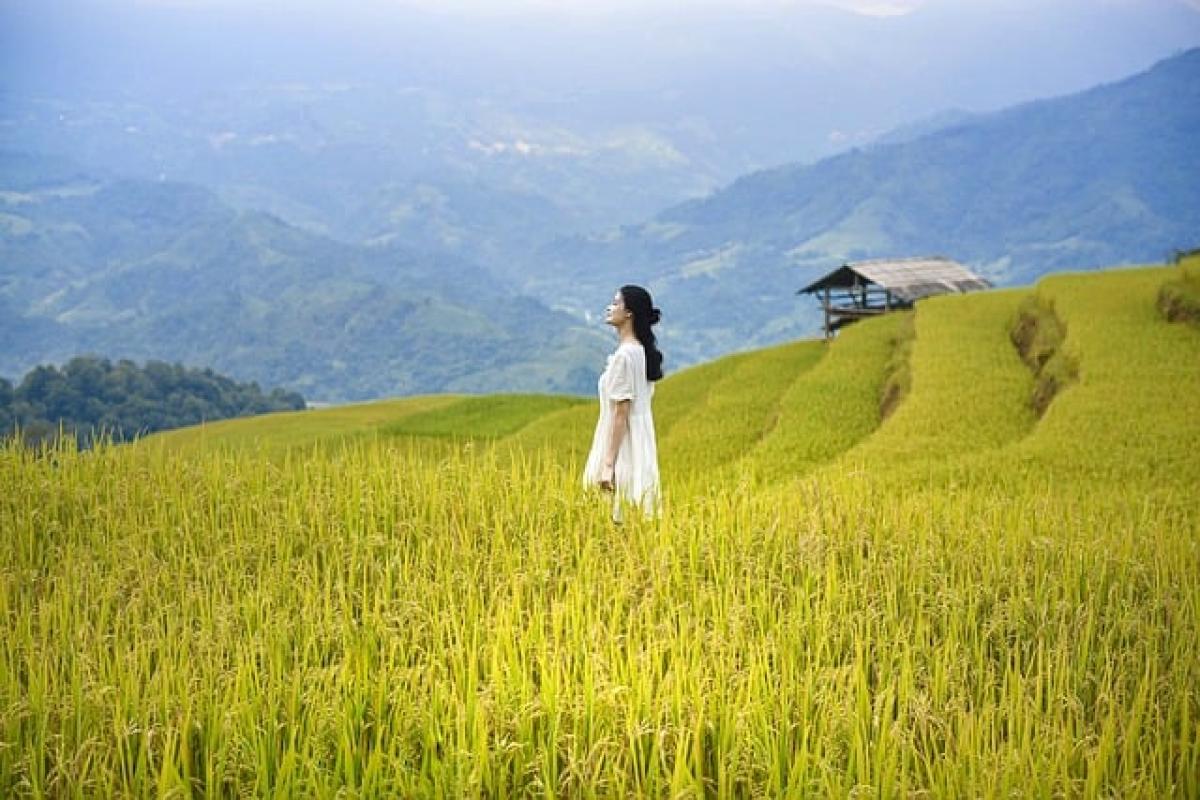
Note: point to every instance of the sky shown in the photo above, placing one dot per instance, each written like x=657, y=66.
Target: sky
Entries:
x=984, y=53
x=869, y=7
x=865, y=7
x=501, y=8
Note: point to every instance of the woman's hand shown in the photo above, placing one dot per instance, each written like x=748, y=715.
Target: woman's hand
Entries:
x=606, y=478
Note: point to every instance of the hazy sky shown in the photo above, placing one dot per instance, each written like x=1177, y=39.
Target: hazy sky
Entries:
x=874, y=7
x=883, y=7
x=869, y=7
x=491, y=8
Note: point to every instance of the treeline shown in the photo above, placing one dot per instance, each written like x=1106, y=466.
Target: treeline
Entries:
x=92, y=396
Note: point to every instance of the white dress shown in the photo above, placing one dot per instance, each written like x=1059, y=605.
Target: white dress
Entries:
x=636, y=468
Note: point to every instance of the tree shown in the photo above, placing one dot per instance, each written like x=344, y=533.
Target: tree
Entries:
x=92, y=396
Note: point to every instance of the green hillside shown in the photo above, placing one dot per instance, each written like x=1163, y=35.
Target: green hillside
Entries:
x=971, y=595
x=160, y=270
x=776, y=413
x=1104, y=176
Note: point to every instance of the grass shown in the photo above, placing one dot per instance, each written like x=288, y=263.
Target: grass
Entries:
x=1131, y=418
x=833, y=406
x=480, y=418
x=1179, y=299
x=740, y=410
x=968, y=387
x=299, y=429
x=962, y=600
x=897, y=374
x=1038, y=335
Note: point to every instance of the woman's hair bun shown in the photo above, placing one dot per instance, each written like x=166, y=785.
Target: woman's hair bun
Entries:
x=655, y=316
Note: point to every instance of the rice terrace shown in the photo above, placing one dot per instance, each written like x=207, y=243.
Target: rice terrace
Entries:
x=976, y=596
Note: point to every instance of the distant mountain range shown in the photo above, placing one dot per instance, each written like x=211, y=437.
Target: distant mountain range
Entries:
x=1103, y=177
x=136, y=269
x=91, y=262
x=437, y=125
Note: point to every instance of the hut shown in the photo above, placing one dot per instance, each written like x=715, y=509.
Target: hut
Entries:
x=868, y=288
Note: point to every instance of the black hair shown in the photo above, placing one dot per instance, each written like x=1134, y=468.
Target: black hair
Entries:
x=638, y=303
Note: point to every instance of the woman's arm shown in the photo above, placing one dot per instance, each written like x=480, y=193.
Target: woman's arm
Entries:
x=620, y=426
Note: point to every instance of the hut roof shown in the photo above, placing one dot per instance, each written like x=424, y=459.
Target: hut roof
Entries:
x=909, y=279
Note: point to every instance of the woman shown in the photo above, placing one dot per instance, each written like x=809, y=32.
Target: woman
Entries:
x=624, y=455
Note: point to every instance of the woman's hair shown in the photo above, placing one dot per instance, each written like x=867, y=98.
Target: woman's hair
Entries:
x=638, y=303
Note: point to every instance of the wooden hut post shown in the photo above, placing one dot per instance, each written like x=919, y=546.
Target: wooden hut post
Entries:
x=828, y=332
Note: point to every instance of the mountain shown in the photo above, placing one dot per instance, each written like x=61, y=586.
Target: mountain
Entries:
x=488, y=134
x=1101, y=177
x=141, y=270
x=950, y=118
x=374, y=163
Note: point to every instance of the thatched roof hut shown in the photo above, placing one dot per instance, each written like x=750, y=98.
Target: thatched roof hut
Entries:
x=868, y=288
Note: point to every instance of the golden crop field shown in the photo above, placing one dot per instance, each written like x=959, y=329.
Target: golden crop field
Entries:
x=417, y=599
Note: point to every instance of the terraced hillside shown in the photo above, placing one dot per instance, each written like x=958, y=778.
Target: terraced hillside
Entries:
x=899, y=564
x=773, y=415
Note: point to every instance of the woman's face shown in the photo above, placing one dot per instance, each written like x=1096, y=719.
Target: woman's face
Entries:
x=616, y=313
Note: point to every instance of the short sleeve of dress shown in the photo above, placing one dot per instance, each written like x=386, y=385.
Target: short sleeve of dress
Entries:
x=621, y=378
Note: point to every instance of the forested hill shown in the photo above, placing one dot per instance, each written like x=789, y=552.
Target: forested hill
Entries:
x=91, y=397
x=159, y=270
x=1107, y=176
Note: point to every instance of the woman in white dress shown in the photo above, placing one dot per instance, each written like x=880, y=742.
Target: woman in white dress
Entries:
x=624, y=455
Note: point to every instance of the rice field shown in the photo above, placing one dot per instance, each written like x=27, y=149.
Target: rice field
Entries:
x=416, y=599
